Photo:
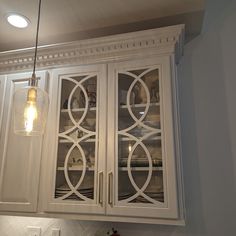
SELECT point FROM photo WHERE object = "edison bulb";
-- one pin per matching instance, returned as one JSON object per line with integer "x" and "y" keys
{"x": 30, "y": 115}
{"x": 30, "y": 106}
{"x": 130, "y": 147}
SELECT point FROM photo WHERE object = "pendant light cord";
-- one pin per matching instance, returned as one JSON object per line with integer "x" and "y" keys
{"x": 36, "y": 42}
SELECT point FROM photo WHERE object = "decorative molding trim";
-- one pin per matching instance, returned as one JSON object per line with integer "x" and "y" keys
{"x": 105, "y": 49}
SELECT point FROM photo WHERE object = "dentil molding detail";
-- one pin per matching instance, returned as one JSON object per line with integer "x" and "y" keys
{"x": 104, "y": 49}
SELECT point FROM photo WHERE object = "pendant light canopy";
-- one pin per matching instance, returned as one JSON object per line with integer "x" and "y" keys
{"x": 30, "y": 104}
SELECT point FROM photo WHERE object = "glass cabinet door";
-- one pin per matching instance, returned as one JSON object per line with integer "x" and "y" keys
{"x": 77, "y": 139}
{"x": 139, "y": 138}
{"x": 79, "y": 159}
{"x": 138, "y": 174}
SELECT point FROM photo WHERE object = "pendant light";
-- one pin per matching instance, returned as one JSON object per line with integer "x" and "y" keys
{"x": 30, "y": 104}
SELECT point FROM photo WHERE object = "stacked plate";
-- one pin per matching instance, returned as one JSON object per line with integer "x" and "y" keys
{"x": 153, "y": 124}
{"x": 125, "y": 195}
{"x": 158, "y": 196}
{"x": 87, "y": 192}
{"x": 139, "y": 162}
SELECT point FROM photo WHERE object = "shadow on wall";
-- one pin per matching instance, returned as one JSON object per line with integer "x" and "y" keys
{"x": 209, "y": 168}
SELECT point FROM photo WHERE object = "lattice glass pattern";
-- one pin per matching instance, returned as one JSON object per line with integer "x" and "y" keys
{"x": 77, "y": 139}
{"x": 140, "y": 176}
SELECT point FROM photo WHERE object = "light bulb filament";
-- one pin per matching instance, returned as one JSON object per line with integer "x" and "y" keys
{"x": 130, "y": 147}
{"x": 30, "y": 112}
{"x": 30, "y": 115}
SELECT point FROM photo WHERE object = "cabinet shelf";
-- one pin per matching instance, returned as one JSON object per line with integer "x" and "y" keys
{"x": 140, "y": 168}
{"x": 139, "y": 108}
{"x": 84, "y": 141}
{"x": 142, "y": 105}
{"x": 75, "y": 168}
{"x": 78, "y": 109}
{"x": 149, "y": 140}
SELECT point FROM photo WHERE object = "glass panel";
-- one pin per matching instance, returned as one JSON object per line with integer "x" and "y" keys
{"x": 77, "y": 139}
{"x": 139, "y": 138}
{"x": 30, "y": 107}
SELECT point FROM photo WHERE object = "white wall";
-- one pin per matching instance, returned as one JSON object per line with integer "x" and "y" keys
{"x": 207, "y": 75}
{"x": 208, "y": 110}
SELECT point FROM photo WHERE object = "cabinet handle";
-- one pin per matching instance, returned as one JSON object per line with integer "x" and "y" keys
{"x": 100, "y": 196}
{"x": 110, "y": 188}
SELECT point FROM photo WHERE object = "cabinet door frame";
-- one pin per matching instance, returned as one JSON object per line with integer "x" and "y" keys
{"x": 170, "y": 210}
{"x": 28, "y": 202}
{"x": 50, "y": 204}
{"x": 2, "y": 96}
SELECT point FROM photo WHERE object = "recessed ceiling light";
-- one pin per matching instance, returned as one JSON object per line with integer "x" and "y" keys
{"x": 18, "y": 20}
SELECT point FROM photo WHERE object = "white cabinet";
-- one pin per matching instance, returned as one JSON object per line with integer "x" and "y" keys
{"x": 19, "y": 156}
{"x": 141, "y": 152}
{"x": 111, "y": 150}
{"x": 112, "y": 141}
{"x": 77, "y": 141}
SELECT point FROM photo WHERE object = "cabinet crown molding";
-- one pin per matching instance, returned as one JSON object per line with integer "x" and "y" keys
{"x": 166, "y": 40}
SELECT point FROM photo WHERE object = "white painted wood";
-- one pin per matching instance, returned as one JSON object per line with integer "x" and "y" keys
{"x": 170, "y": 207}
{"x": 50, "y": 203}
{"x": 19, "y": 156}
{"x": 159, "y": 48}
{"x": 104, "y": 49}
{"x": 94, "y": 217}
{"x": 2, "y": 96}
{"x": 177, "y": 137}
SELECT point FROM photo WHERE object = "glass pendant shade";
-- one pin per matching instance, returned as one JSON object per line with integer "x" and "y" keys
{"x": 30, "y": 111}
{"x": 30, "y": 104}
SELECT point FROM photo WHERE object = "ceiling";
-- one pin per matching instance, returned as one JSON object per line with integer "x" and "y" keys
{"x": 70, "y": 20}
